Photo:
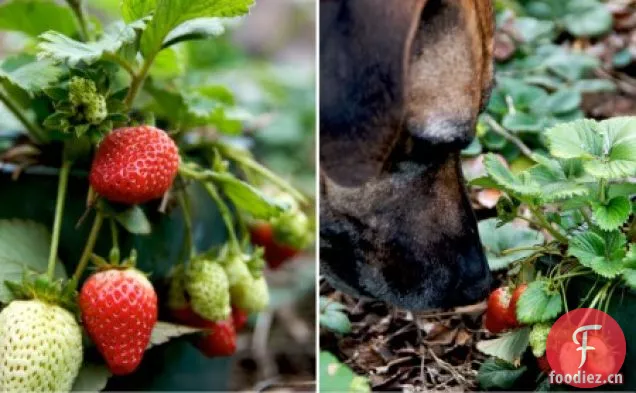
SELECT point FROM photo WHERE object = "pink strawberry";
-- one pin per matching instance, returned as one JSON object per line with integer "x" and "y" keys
{"x": 119, "y": 311}
{"x": 134, "y": 165}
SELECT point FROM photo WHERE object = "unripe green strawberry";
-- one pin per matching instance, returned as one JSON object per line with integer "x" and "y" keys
{"x": 252, "y": 296}
{"x": 207, "y": 284}
{"x": 237, "y": 272}
{"x": 292, "y": 228}
{"x": 95, "y": 109}
{"x": 538, "y": 338}
{"x": 81, "y": 90}
{"x": 40, "y": 347}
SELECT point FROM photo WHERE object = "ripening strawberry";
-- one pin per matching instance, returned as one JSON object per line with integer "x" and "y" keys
{"x": 40, "y": 347}
{"x": 177, "y": 302}
{"x": 119, "y": 310}
{"x": 512, "y": 310}
{"x": 221, "y": 339}
{"x": 134, "y": 165}
{"x": 239, "y": 318}
{"x": 209, "y": 290}
{"x": 252, "y": 295}
{"x": 497, "y": 317}
{"x": 276, "y": 253}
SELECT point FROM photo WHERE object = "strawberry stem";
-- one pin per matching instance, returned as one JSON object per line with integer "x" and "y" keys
{"x": 78, "y": 9}
{"x": 114, "y": 252}
{"x": 248, "y": 162}
{"x": 188, "y": 246}
{"x": 138, "y": 80}
{"x": 57, "y": 221}
{"x": 88, "y": 248}
{"x": 225, "y": 214}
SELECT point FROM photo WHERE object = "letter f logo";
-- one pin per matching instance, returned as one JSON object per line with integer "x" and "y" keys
{"x": 583, "y": 346}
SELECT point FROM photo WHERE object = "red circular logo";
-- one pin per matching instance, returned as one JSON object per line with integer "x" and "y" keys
{"x": 586, "y": 348}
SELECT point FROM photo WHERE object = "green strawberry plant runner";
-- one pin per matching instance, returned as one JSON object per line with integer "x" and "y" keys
{"x": 576, "y": 203}
{"x": 111, "y": 101}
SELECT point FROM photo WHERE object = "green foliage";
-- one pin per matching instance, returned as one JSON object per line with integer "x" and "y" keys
{"x": 24, "y": 246}
{"x": 581, "y": 18}
{"x": 59, "y": 47}
{"x": 28, "y": 74}
{"x": 498, "y": 239}
{"x": 541, "y": 83}
{"x": 539, "y": 303}
{"x": 509, "y": 347}
{"x": 34, "y": 17}
{"x": 337, "y": 377}
{"x": 498, "y": 374}
{"x": 332, "y": 316}
{"x": 169, "y": 14}
{"x": 586, "y": 156}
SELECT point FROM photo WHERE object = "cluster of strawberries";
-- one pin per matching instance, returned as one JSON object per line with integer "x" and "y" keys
{"x": 217, "y": 294}
{"x": 501, "y": 315}
{"x": 40, "y": 339}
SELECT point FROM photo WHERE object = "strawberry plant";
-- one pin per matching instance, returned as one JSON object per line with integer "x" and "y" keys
{"x": 567, "y": 218}
{"x": 540, "y": 81}
{"x": 119, "y": 116}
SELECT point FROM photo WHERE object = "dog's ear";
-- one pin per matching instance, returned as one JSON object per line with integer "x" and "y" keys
{"x": 364, "y": 51}
{"x": 450, "y": 70}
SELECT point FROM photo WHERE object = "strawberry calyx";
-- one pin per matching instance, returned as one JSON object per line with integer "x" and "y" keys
{"x": 38, "y": 286}
{"x": 114, "y": 262}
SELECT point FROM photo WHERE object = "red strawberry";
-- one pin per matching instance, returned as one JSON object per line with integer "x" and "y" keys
{"x": 513, "y": 303}
{"x": 497, "y": 317}
{"x": 119, "y": 311}
{"x": 600, "y": 360}
{"x": 220, "y": 341}
{"x": 134, "y": 165}
{"x": 543, "y": 364}
{"x": 239, "y": 317}
{"x": 276, "y": 253}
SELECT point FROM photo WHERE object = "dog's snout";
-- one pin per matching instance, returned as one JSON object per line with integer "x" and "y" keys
{"x": 476, "y": 278}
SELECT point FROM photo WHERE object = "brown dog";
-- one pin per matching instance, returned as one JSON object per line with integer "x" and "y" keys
{"x": 402, "y": 83}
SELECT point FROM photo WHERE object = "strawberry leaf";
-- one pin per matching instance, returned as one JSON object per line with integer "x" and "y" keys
{"x": 31, "y": 77}
{"x": 248, "y": 198}
{"x": 602, "y": 252}
{"x": 91, "y": 378}
{"x": 134, "y": 220}
{"x": 496, "y": 240}
{"x": 495, "y": 373}
{"x": 24, "y": 245}
{"x": 332, "y": 316}
{"x": 577, "y": 139}
{"x": 170, "y": 14}
{"x": 195, "y": 29}
{"x": 338, "y": 377}
{"x": 538, "y": 304}
{"x": 629, "y": 276}
{"x": 613, "y": 214}
{"x": 165, "y": 331}
{"x": 503, "y": 177}
{"x": 34, "y": 17}
{"x": 619, "y": 159}
{"x": 61, "y": 48}
{"x": 509, "y": 347}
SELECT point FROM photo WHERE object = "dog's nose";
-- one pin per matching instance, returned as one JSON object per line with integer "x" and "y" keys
{"x": 476, "y": 278}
